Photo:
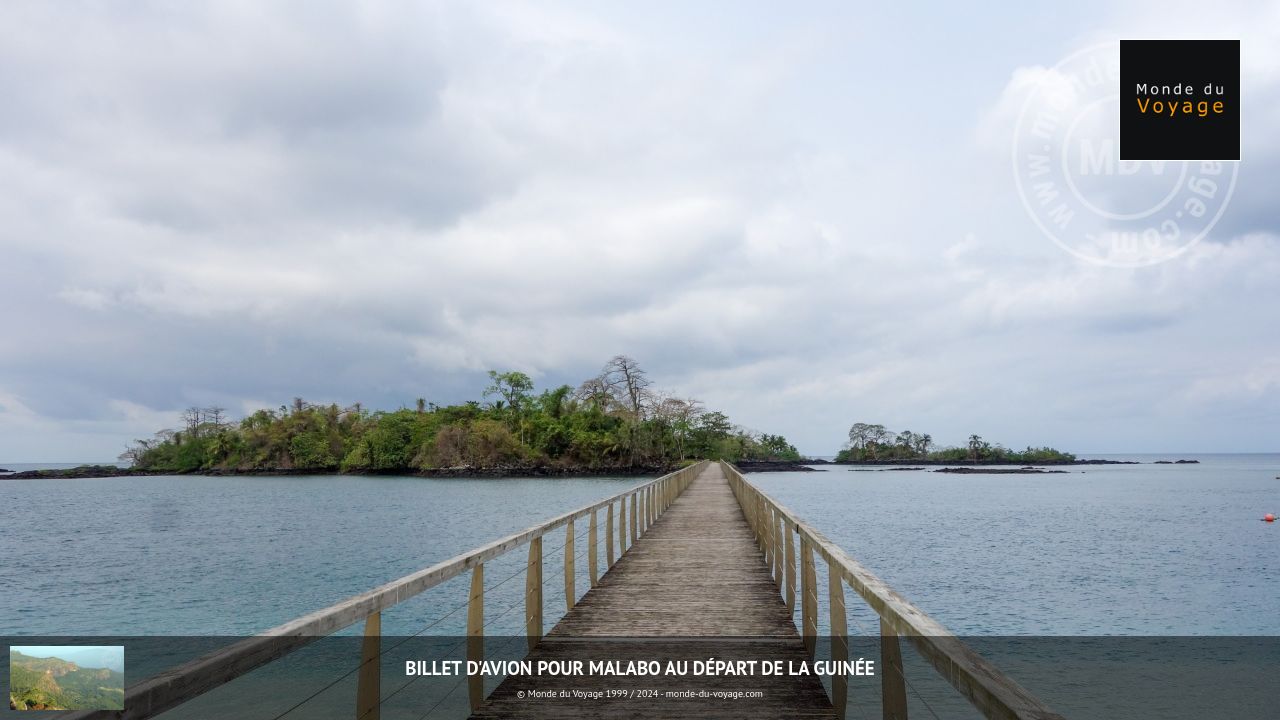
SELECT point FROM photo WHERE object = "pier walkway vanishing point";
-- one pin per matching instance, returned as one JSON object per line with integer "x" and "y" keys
{"x": 704, "y": 565}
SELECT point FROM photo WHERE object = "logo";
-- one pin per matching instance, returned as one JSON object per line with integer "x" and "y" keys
{"x": 1180, "y": 99}
{"x": 1083, "y": 195}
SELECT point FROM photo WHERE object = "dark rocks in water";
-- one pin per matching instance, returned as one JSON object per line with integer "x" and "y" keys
{"x": 898, "y": 468}
{"x": 1106, "y": 462}
{"x": 104, "y": 471}
{"x": 83, "y": 471}
{"x": 1186, "y": 462}
{"x": 750, "y": 466}
{"x": 2, "y": 470}
{"x": 998, "y": 471}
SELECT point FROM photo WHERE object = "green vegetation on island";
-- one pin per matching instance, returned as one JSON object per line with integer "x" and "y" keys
{"x": 56, "y": 684}
{"x": 613, "y": 421}
{"x": 871, "y": 443}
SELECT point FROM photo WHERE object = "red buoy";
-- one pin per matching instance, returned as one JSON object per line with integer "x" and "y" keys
{"x": 1269, "y": 517}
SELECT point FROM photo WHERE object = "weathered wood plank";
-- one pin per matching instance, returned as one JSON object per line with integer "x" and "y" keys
{"x": 694, "y": 586}
{"x": 369, "y": 679}
{"x": 592, "y": 550}
{"x": 533, "y": 593}
{"x": 893, "y": 685}
{"x": 475, "y": 635}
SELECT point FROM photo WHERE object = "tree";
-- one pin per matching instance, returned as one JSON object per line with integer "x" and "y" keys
{"x": 975, "y": 446}
{"x": 191, "y": 418}
{"x": 922, "y": 444}
{"x": 514, "y": 388}
{"x": 215, "y": 416}
{"x": 595, "y": 393}
{"x": 629, "y": 380}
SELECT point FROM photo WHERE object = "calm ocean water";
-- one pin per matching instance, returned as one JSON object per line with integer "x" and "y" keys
{"x": 196, "y": 555}
{"x": 1122, "y": 549}
{"x": 1102, "y": 550}
{"x": 1152, "y": 550}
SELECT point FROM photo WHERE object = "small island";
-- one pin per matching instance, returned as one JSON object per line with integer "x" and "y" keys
{"x": 615, "y": 423}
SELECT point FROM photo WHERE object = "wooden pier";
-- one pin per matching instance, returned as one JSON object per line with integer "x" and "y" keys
{"x": 697, "y": 575}
{"x": 698, "y": 563}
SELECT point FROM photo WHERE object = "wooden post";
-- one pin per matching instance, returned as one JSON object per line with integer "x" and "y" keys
{"x": 570, "y": 594}
{"x": 369, "y": 682}
{"x": 767, "y": 516}
{"x": 893, "y": 679}
{"x": 622, "y": 527}
{"x": 839, "y": 641}
{"x": 643, "y": 498}
{"x": 475, "y": 635}
{"x": 764, "y": 527}
{"x": 635, "y": 533}
{"x": 533, "y": 594}
{"x": 791, "y": 570}
{"x": 591, "y": 550}
{"x": 608, "y": 537}
{"x": 777, "y": 549}
{"x": 808, "y": 597}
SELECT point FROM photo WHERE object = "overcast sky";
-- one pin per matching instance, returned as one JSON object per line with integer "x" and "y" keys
{"x": 802, "y": 214}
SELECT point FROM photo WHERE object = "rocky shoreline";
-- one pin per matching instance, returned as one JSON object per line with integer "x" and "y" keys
{"x": 746, "y": 466}
{"x": 109, "y": 471}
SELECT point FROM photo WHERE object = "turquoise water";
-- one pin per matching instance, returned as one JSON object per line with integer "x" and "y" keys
{"x": 1102, "y": 550}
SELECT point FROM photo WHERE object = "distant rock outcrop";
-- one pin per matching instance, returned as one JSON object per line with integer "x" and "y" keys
{"x": 998, "y": 471}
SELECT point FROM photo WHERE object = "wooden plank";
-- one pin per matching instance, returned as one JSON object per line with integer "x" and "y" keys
{"x": 475, "y": 635}
{"x": 533, "y": 594}
{"x": 608, "y": 537}
{"x": 622, "y": 527}
{"x": 791, "y": 569}
{"x": 839, "y": 642}
{"x": 635, "y": 533}
{"x": 369, "y": 679}
{"x": 570, "y": 572}
{"x": 592, "y": 550}
{"x": 695, "y": 576}
{"x": 893, "y": 686}
{"x": 775, "y": 528}
{"x": 808, "y": 597}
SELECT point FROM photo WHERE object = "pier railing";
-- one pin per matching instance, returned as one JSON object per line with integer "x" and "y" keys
{"x": 637, "y": 509}
{"x": 777, "y": 529}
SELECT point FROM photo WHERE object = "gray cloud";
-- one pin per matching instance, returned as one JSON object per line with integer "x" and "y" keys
{"x": 235, "y": 204}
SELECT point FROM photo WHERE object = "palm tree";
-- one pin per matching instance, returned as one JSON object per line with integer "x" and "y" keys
{"x": 975, "y": 444}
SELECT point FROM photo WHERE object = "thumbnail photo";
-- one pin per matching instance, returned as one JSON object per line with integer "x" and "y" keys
{"x": 66, "y": 677}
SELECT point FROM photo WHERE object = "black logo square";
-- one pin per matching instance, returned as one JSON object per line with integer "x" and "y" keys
{"x": 1179, "y": 99}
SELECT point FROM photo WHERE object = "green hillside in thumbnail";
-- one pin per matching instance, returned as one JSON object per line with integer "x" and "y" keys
{"x": 56, "y": 684}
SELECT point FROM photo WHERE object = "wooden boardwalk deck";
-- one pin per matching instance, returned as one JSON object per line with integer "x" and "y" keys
{"x": 694, "y": 587}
